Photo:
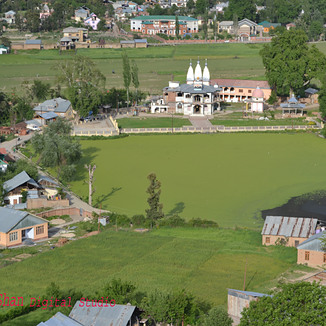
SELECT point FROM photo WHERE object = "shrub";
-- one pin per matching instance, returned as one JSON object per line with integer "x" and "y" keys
{"x": 138, "y": 220}
{"x": 198, "y": 222}
{"x": 172, "y": 221}
{"x": 311, "y": 123}
{"x": 120, "y": 220}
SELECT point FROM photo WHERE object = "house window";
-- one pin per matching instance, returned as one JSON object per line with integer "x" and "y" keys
{"x": 268, "y": 240}
{"x": 13, "y": 236}
{"x": 296, "y": 243}
{"x": 306, "y": 255}
{"x": 249, "y": 91}
{"x": 240, "y": 90}
{"x": 40, "y": 229}
{"x": 324, "y": 260}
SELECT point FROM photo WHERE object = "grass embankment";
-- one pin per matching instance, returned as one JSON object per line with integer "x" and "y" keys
{"x": 204, "y": 262}
{"x": 153, "y": 122}
{"x": 225, "y": 178}
{"x": 255, "y": 122}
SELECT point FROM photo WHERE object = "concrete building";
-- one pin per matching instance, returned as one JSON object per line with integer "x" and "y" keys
{"x": 312, "y": 252}
{"x": 60, "y": 106}
{"x": 236, "y": 90}
{"x": 76, "y": 34}
{"x": 257, "y": 101}
{"x": 152, "y": 25}
{"x": 10, "y": 17}
{"x": 290, "y": 231}
{"x": 16, "y": 226}
{"x": 267, "y": 26}
{"x": 238, "y": 300}
{"x": 195, "y": 98}
{"x": 92, "y": 21}
{"x": 81, "y": 14}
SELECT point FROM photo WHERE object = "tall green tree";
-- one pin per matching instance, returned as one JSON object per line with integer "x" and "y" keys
{"x": 134, "y": 77}
{"x": 126, "y": 71}
{"x": 40, "y": 90}
{"x": 283, "y": 11}
{"x": 85, "y": 84}
{"x": 58, "y": 149}
{"x": 154, "y": 191}
{"x": 201, "y": 6}
{"x": 205, "y": 25}
{"x": 293, "y": 304}
{"x": 242, "y": 8}
{"x": 290, "y": 63}
{"x": 217, "y": 316}
{"x": 177, "y": 27}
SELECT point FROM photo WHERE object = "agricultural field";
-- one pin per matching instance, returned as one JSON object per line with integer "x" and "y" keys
{"x": 228, "y": 178}
{"x": 204, "y": 262}
{"x": 157, "y": 65}
{"x": 153, "y": 122}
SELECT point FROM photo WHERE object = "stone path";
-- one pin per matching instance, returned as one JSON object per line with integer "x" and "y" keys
{"x": 200, "y": 122}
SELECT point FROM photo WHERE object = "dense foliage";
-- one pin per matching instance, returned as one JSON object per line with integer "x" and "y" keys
{"x": 290, "y": 63}
{"x": 293, "y": 304}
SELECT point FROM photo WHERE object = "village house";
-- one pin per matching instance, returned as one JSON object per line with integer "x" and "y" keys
{"x": 238, "y": 300}
{"x": 17, "y": 226}
{"x": 76, "y": 34}
{"x": 268, "y": 26}
{"x": 312, "y": 252}
{"x": 82, "y": 315}
{"x": 50, "y": 186}
{"x": 92, "y": 21}
{"x": 195, "y": 98}
{"x": 312, "y": 95}
{"x": 179, "y": 3}
{"x": 3, "y": 49}
{"x": 226, "y": 26}
{"x": 45, "y": 12}
{"x": 152, "y": 25}
{"x": 289, "y": 231}
{"x": 59, "y": 106}
{"x": 10, "y": 17}
{"x": 236, "y": 90}
{"x": 81, "y": 14}
{"x": 15, "y": 186}
{"x": 247, "y": 29}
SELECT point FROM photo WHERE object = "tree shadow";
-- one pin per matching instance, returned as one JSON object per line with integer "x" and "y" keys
{"x": 178, "y": 209}
{"x": 100, "y": 199}
{"x": 87, "y": 158}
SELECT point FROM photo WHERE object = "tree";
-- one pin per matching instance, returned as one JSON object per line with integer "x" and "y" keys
{"x": 155, "y": 208}
{"x": 134, "y": 77}
{"x": 126, "y": 73}
{"x": 217, "y": 317}
{"x": 205, "y": 27}
{"x": 242, "y": 8}
{"x": 91, "y": 169}
{"x": 201, "y": 6}
{"x": 40, "y": 90}
{"x": 321, "y": 97}
{"x": 57, "y": 148}
{"x": 6, "y": 42}
{"x": 293, "y": 304}
{"x": 85, "y": 84}
{"x": 290, "y": 63}
{"x": 283, "y": 11}
{"x": 177, "y": 27}
{"x": 4, "y": 108}
{"x": 190, "y": 4}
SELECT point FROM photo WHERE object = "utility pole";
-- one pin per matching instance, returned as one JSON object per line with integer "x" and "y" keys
{"x": 244, "y": 281}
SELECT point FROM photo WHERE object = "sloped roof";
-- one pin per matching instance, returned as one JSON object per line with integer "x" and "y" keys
{"x": 298, "y": 227}
{"x": 73, "y": 29}
{"x": 37, "y": 42}
{"x": 313, "y": 243}
{"x": 293, "y": 103}
{"x": 247, "y": 293}
{"x": 185, "y": 88}
{"x": 268, "y": 24}
{"x": 46, "y": 178}
{"x": 18, "y": 180}
{"x": 311, "y": 91}
{"x": 164, "y": 17}
{"x": 60, "y": 319}
{"x": 262, "y": 84}
{"x": 58, "y": 104}
{"x": 66, "y": 39}
{"x": 11, "y": 219}
{"x": 119, "y": 315}
{"x": 48, "y": 115}
{"x": 139, "y": 40}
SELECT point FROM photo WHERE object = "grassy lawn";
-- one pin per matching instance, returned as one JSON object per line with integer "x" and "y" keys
{"x": 225, "y": 178}
{"x": 254, "y": 122}
{"x": 152, "y": 122}
{"x": 204, "y": 262}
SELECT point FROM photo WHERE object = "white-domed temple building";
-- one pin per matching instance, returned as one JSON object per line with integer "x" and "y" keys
{"x": 196, "y": 97}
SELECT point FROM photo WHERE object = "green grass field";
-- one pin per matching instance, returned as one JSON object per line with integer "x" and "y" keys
{"x": 227, "y": 178}
{"x": 152, "y": 122}
{"x": 254, "y": 122}
{"x": 204, "y": 262}
{"x": 156, "y": 64}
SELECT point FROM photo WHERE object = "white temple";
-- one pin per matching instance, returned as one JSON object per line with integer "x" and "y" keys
{"x": 195, "y": 98}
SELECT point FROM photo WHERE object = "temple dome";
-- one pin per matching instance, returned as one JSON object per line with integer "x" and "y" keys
{"x": 190, "y": 74}
{"x": 258, "y": 93}
{"x": 206, "y": 74}
{"x": 198, "y": 72}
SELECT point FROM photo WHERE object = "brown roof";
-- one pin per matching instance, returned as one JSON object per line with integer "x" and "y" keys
{"x": 241, "y": 83}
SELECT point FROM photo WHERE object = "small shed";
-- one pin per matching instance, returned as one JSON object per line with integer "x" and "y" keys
{"x": 238, "y": 300}
{"x": 312, "y": 95}
{"x": 290, "y": 231}
{"x": 311, "y": 251}
{"x": 33, "y": 44}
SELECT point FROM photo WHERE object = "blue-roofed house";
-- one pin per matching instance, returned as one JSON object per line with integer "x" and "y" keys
{"x": 33, "y": 45}
{"x": 238, "y": 300}
{"x": 49, "y": 185}
{"x": 312, "y": 252}
{"x": 16, "y": 185}
{"x": 17, "y": 226}
{"x": 59, "y": 106}
{"x": 60, "y": 319}
{"x": 81, "y": 14}
{"x": 46, "y": 117}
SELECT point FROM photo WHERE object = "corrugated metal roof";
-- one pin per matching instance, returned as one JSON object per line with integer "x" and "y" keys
{"x": 249, "y": 293}
{"x": 58, "y": 104}
{"x": 46, "y": 178}
{"x": 48, "y": 115}
{"x": 9, "y": 218}
{"x": 313, "y": 243}
{"x": 164, "y": 17}
{"x": 119, "y": 315}
{"x": 18, "y": 180}
{"x": 311, "y": 91}
{"x": 60, "y": 319}
{"x": 37, "y": 42}
{"x": 298, "y": 227}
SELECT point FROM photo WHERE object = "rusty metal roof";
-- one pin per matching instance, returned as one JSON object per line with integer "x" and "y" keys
{"x": 297, "y": 227}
